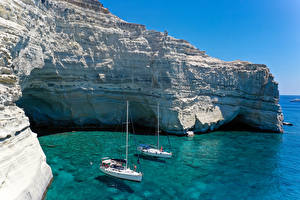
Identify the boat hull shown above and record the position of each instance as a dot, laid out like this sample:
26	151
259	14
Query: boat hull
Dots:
128	174
155	153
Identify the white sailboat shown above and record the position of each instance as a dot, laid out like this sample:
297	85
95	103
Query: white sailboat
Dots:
150	150
119	167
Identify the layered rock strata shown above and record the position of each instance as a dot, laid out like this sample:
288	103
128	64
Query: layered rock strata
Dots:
24	173
78	63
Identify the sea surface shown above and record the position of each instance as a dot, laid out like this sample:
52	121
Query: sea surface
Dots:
231	165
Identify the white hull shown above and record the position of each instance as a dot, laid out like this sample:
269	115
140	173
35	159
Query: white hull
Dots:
147	150
116	168
126	174
155	153
190	134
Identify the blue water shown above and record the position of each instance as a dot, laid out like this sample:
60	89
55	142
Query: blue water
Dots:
218	165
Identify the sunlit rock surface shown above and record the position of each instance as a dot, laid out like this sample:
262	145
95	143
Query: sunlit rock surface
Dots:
24	173
75	64
78	63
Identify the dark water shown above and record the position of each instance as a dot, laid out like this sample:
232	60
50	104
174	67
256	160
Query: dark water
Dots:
219	165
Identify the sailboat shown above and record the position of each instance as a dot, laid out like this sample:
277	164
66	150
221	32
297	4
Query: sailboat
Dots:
119	167
150	150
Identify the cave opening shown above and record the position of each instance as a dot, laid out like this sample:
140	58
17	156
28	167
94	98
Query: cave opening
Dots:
51	129
238	124
47	117
43	124
52	110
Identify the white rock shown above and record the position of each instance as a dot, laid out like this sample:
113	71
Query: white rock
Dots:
76	64
190	134
24	173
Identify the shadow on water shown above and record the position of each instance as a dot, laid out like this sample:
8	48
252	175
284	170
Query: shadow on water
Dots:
114	183
149	158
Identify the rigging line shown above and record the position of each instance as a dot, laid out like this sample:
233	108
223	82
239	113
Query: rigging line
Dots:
169	141
122	132
136	146
167	132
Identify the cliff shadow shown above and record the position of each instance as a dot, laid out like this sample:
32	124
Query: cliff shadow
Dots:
237	124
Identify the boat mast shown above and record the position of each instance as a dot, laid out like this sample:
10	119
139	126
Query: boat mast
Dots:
157	125
126	135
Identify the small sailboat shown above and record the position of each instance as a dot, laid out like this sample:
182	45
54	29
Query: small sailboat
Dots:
119	167
190	134
150	150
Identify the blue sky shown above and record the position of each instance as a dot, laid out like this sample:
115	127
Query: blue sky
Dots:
259	31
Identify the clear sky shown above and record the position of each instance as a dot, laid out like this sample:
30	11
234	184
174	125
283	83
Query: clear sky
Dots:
259	31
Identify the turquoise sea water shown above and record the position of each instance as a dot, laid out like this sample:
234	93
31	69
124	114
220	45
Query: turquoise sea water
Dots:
219	165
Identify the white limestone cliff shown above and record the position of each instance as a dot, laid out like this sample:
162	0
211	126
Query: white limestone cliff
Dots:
78	63
24	173
75	63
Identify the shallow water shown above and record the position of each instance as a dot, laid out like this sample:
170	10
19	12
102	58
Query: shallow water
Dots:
219	165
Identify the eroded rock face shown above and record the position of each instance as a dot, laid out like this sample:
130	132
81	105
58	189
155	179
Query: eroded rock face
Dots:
24	173
75	64
78	63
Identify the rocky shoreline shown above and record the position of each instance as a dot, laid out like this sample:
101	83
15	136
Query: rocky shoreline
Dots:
73	61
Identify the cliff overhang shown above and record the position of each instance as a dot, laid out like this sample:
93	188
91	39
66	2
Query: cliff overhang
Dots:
75	64
80	63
